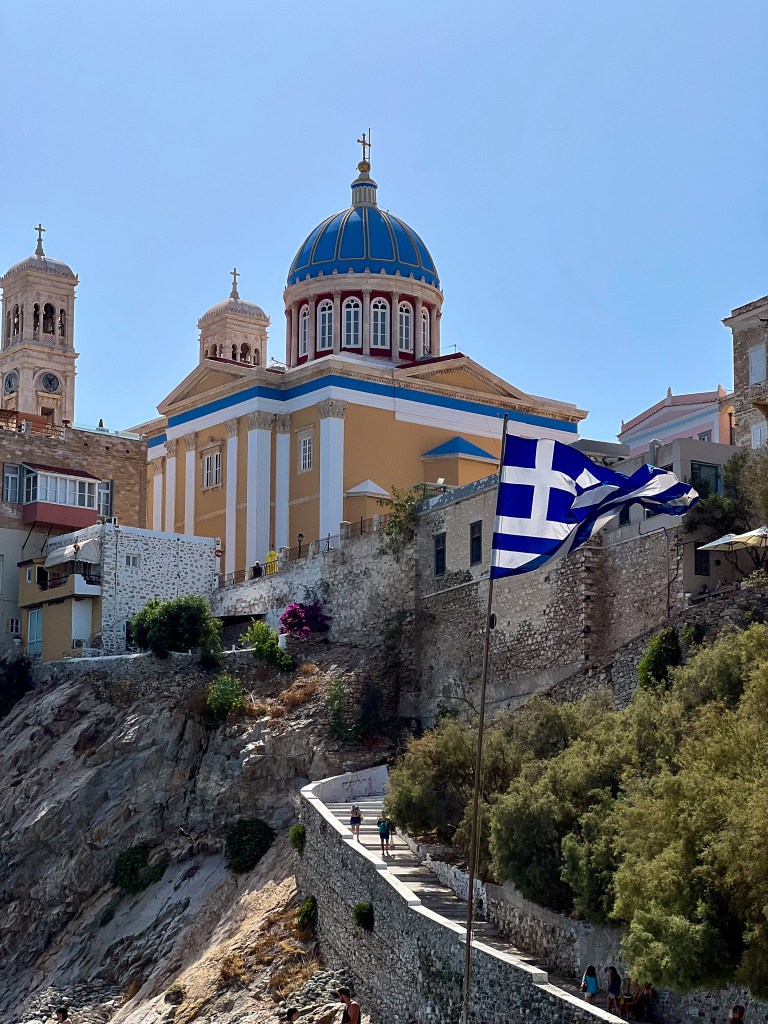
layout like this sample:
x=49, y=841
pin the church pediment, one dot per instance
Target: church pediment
x=466, y=375
x=206, y=379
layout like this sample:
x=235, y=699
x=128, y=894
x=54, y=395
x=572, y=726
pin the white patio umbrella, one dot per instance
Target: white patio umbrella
x=733, y=541
x=724, y=543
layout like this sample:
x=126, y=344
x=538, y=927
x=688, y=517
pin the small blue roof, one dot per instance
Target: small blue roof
x=363, y=239
x=458, y=446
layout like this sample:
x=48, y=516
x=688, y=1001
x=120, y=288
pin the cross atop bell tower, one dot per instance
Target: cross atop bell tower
x=37, y=352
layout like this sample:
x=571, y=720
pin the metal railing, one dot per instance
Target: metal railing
x=59, y=579
x=305, y=549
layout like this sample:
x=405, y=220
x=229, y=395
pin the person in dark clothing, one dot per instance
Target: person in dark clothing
x=351, y=1009
x=614, y=990
x=737, y=1014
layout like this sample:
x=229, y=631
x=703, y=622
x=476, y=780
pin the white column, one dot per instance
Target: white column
x=418, y=349
x=282, y=477
x=190, y=482
x=170, y=487
x=337, y=322
x=258, y=487
x=230, y=518
x=157, y=496
x=394, y=332
x=312, y=327
x=294, y=359
x=331, y=466
x=366, y=321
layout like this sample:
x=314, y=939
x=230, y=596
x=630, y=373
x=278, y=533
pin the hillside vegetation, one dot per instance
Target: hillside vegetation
x=652, y=817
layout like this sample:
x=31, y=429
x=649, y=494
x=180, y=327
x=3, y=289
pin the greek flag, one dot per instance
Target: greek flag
x=552, y=499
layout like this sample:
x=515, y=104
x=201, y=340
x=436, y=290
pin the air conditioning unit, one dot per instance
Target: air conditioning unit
x=111, y=520
x=79, y=644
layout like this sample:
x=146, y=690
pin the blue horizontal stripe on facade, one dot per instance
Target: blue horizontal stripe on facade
x=153, y=442
x=371, y=388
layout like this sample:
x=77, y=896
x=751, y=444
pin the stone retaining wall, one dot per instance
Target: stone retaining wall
x=410, y=967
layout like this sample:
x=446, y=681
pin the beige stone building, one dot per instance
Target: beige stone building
x=57, y=475
x=83, y=593
x=749, y=327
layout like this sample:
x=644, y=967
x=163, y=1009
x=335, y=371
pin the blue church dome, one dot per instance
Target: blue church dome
x=363, y=239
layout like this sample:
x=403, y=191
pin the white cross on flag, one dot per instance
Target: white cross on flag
x=552, y=499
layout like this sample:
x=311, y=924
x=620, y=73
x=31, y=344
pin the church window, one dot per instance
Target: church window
x=476, y=542
x=234, y=353
x=304, y=331
x=379, y=323
x=11, y=483
x=62, y=323
x=439, y=554
x=16, y=319
x=49, y=315
x=211, y=469
x=245, y=353
x=256, y=359
x=8, y=326
x=352, y=309
x=325, y=325
x=405, y=327
x=426, y=342
x=305, y=452
x=36, y=319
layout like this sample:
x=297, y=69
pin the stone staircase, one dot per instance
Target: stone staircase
x=437, y=897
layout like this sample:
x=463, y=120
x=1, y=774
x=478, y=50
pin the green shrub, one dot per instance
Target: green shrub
x=15, y=679
x=298, y=837
x=661, y=654
x=306, y=915
x=362, y=914
x=402, y=517
x=132, y=872
x=266, y=646
x=225, y=698
x=336, y=698
x=247, y=842
x=181, y=624
x=758, y=578
x=692, y=633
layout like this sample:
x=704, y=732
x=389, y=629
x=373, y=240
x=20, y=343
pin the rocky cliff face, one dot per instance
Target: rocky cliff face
x=87, y=772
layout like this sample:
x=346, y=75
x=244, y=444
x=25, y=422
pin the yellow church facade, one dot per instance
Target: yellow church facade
x=274, y=457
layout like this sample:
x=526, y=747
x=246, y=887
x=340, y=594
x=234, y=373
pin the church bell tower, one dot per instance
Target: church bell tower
x=37, y=354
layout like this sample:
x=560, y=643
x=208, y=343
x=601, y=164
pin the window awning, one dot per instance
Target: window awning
x=59, y=471
x=88, y=550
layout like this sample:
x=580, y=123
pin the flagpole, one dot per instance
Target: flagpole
x=475, y=834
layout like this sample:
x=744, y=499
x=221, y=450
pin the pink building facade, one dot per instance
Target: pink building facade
x=703, y=416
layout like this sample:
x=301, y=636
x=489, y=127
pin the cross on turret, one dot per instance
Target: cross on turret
x=234, y=294
x=39, y=250
x=366, y=144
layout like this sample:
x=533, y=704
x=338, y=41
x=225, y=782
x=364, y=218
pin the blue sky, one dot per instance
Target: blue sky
x=589, y=177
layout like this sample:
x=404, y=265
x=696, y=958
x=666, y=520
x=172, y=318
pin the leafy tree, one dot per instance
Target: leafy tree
x=742, y=505
x=402, y=515
x=661, y=654
x=225, y=697
x=181, y=624
x=266, y=646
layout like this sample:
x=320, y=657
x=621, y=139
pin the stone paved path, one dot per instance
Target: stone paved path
x=432, y=893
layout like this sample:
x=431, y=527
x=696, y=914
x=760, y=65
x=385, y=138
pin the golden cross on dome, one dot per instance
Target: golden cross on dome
x=39, y=251
x=366, y=144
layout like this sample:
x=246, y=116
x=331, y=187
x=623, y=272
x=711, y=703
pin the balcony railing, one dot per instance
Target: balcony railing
x=60, y=579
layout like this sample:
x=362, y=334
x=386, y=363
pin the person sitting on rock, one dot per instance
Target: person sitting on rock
x=62, y=1013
